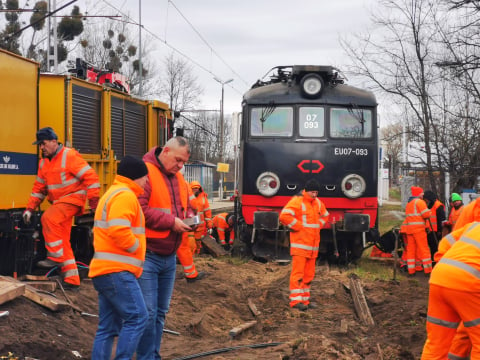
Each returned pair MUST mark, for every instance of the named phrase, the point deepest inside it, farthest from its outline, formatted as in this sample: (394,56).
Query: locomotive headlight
(268,183)
(353,186)
(311,86)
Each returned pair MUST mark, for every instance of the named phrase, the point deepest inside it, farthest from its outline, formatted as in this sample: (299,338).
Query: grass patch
(395,194)
(390,216)
(373,269)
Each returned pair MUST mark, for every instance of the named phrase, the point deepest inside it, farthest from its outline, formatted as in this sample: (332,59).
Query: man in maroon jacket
(165,204)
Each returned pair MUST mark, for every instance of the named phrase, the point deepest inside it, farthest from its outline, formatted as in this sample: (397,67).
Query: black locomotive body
(305,123)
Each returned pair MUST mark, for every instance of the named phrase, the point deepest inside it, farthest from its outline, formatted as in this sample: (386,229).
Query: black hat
(312,185)
(132,168)
(45,133)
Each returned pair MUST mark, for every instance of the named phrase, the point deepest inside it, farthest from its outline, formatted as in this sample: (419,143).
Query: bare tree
(400,62)
(391,139)
(179,85)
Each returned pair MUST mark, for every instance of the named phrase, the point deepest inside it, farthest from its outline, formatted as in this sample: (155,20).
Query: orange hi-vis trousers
(57,225)
(417,247)
(185,255)
(303,272)
(461,345)
(446,309)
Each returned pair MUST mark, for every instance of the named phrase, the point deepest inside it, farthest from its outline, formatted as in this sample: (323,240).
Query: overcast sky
(243,39)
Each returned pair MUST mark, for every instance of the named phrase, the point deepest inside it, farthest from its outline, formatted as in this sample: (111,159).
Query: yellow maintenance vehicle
(102,122)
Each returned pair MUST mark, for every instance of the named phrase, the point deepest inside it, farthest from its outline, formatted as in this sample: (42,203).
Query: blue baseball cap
(45,133)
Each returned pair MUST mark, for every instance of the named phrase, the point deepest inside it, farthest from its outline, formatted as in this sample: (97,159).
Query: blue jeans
(156,282)
(122,313)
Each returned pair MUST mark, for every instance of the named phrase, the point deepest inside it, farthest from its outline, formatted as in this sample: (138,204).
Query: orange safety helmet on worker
(67,180)
(202,206)
(304,215)
(224,223)
(413,227)
(453,296)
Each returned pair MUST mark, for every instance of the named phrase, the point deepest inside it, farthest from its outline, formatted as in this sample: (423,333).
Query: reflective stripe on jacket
(160,197)
(67,177)
(305,217)
(220,223)
(202,206)
(416,213)
(459,267)
(433,216)
(454,215)
(119,230)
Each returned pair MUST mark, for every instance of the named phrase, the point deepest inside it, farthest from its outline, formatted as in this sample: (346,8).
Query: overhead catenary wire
(166,43)
(206,43)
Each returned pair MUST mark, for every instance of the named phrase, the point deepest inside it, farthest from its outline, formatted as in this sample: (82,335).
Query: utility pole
(140,70)
(222,136)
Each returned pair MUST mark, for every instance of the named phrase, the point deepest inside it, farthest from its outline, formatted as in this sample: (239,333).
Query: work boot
(300,306)
(200,276)
(70,287)
(312,305)
(47,264)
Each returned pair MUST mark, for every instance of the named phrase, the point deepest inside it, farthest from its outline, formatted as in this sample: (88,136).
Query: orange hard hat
(195,184)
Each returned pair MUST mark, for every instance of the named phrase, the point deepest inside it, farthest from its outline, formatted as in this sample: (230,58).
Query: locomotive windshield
(270,121)
(311,122)
(348,123)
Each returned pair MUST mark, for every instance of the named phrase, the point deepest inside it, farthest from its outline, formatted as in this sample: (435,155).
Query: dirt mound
(202,315)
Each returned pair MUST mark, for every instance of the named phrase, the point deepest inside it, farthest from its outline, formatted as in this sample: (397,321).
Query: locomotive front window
(350,123)
(270,121)
(311,122)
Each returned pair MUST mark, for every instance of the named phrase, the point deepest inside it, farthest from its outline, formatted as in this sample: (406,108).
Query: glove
(27,214)
(92,203)
(210,231)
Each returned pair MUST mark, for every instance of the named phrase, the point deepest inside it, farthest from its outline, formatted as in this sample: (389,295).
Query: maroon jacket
(158,220)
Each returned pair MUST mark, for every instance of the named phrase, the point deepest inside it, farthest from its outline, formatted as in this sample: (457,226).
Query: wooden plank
(253,307)
(359,301)
(42,285)
(10,291)
(241,328)
(48,301)
(213,247)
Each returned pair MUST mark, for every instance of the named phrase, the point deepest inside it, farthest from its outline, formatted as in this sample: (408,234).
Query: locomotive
(102,122)
(304,122)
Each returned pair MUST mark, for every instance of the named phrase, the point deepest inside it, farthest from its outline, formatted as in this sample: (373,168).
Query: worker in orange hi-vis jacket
(223,227)
(304,215)
(453,306)
(413,227)
(202,206)
(67,181)
(455,211)
(185,251)
(470,213)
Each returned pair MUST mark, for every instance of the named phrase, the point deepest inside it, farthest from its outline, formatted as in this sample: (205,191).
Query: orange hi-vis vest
(470,213)
(416,213)
(448,240)
(119,231)
(201,204)
(454,215)
(221,224)
(160,197)
(459,267)
(433,216)
(67,178)
(305,218)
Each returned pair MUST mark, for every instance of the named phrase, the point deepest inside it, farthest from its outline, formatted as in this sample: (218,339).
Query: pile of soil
(203,313)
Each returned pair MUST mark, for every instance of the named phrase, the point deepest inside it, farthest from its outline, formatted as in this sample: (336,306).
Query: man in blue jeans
(165,204)
(119,242)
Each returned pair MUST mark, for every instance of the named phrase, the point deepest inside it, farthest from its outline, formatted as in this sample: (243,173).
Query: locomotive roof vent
(311,78)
